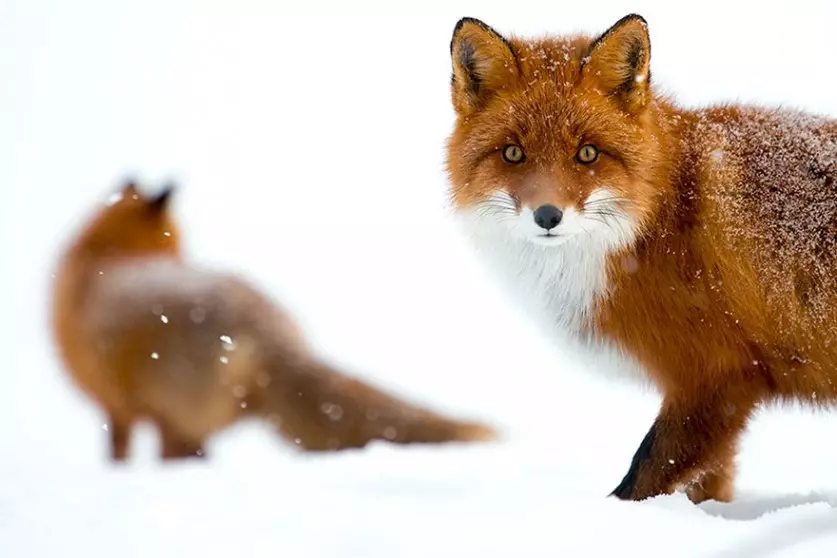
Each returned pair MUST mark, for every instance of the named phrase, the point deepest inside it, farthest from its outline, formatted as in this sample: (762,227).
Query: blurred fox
(698,244)
(150,337)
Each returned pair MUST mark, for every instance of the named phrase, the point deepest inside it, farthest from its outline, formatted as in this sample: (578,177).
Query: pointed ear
(160,202)
(619,61)
(483,64)
(129,186)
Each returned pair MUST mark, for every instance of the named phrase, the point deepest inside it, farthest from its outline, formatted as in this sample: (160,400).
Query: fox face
(553,142)
(132,224)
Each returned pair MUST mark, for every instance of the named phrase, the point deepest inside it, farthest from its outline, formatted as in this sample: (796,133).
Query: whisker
(586,230)
(495,213)
(502,203)
(597,218)
(610,199)
(613,200)
(605,214)
(505,218)
(497,207)
(606,211)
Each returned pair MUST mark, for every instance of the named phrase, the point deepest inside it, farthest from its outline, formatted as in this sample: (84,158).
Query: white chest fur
(559,286)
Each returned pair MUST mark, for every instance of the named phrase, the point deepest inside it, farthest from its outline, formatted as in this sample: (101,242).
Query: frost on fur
(700,244)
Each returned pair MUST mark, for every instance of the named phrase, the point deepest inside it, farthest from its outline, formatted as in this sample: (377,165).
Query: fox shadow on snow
(798,529)
(751,507)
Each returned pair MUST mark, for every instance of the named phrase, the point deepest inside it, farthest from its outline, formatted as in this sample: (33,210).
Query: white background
(308,140)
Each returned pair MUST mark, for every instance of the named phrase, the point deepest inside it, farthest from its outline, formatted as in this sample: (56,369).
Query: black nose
(548,216)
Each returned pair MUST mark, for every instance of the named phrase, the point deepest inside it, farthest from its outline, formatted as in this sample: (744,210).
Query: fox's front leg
(693,438)
(120,437)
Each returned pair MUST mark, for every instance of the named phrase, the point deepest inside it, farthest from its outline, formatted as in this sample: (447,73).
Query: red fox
(699,244)
(148,336)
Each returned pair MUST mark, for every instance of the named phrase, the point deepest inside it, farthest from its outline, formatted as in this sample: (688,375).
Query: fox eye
(587,154)
(513,154)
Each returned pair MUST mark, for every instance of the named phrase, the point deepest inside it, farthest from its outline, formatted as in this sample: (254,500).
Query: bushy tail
(321,409)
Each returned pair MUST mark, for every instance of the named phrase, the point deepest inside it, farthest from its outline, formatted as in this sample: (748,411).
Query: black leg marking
(643,454)
(120,437)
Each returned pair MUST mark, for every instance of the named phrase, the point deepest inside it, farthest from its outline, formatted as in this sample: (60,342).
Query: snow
(308,145)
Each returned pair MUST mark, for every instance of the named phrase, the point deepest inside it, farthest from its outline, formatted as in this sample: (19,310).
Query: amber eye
(513,154)
(587,154)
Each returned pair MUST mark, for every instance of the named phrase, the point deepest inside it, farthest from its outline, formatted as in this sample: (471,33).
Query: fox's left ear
(619,61)
(483,65)
(129,187)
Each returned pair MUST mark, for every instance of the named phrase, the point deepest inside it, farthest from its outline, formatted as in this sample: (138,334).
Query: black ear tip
(456,29)
(130,183)
(472,21)
(462,23)
(161,200)
(464,20)
(630,18)
(634,17)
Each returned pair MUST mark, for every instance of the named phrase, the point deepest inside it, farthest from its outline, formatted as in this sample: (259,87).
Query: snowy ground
(309,142)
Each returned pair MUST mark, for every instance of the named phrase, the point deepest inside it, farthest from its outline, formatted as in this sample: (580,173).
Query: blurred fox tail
(321,409)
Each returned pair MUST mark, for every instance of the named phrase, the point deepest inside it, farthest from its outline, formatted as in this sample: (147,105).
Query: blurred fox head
(555,139)
(131,225)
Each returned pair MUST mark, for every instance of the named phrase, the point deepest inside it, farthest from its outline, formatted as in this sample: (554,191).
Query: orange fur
(730,298)
(148,336)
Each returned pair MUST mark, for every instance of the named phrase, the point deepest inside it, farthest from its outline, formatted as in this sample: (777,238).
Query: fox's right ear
(483,64)
(160,202)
